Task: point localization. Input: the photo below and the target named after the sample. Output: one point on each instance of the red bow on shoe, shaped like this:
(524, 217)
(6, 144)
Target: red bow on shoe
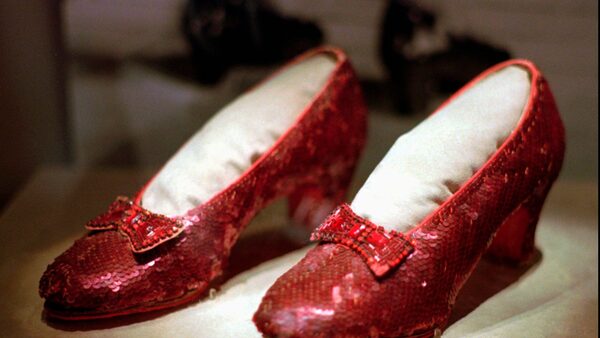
(144, 229)
(382, 250)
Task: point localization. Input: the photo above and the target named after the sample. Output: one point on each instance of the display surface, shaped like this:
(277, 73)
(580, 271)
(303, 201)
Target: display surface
(135, 260)
(556, 296)
(331, 291)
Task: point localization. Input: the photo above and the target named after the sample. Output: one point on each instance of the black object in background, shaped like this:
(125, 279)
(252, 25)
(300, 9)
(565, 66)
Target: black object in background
(423, 60)
(223, 33)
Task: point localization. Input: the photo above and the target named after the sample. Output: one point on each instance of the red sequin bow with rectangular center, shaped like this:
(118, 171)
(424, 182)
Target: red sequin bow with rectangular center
(382, 250)
(144, 229)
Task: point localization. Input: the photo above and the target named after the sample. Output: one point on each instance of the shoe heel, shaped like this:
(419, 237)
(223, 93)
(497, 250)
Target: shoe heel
(514, 242)
(309, 204)
(312, 201)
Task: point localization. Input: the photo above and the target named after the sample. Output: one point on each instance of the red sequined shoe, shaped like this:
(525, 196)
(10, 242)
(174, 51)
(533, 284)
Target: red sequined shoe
(297, 134)
(375, 274)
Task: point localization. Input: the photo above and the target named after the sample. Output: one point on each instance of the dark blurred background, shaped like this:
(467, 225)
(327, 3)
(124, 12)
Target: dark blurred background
(94, 84)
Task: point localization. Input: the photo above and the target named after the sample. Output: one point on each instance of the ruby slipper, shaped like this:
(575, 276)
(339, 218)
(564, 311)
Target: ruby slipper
(298, 134)
(470, 179)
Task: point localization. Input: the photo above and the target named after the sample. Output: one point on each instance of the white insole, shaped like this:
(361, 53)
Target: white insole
(427, 165)
(236, 137)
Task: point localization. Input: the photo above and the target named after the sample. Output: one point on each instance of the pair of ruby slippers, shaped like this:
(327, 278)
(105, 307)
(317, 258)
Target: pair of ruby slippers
(470, 179)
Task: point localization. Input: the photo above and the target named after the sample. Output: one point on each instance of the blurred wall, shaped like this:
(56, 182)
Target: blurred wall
(560, 36)
(107, 104)
(33, 119)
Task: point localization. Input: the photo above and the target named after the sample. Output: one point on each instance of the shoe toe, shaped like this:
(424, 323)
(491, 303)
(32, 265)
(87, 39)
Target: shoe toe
(322, 296)
(53, 282)
(98, 274)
